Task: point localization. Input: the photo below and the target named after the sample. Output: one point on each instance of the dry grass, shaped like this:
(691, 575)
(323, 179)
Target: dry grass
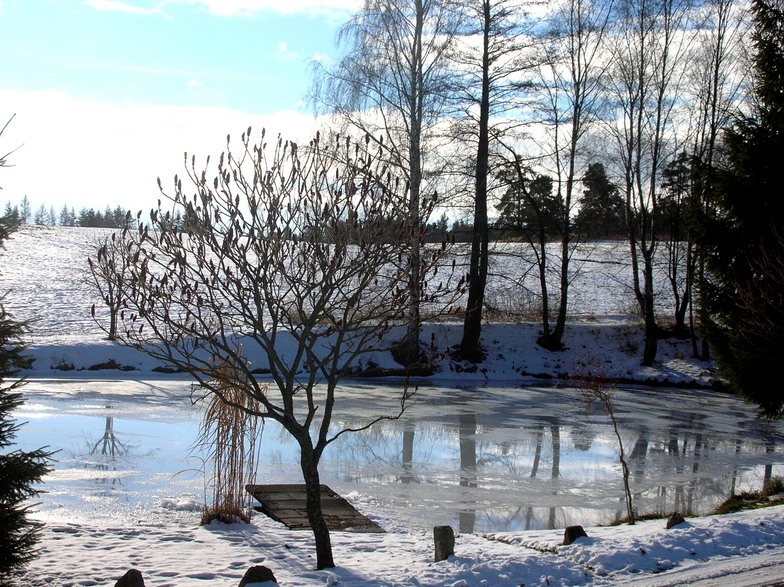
(230, 435)
(772, 494)
(513, 304)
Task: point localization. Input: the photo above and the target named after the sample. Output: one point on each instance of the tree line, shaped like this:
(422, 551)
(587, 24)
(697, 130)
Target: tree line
(19, 214)
(495, 103)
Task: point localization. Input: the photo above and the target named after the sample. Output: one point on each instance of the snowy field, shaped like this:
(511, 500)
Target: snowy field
(123, 496)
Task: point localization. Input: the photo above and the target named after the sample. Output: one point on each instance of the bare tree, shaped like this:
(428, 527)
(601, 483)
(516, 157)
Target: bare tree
(571, 76)
(719, 76)
(533, 197)
(6, 226)
(9, 222)
(648, 64)
(110, 275)
(493, 60)
(4, 158)
(591, 388)
(676, 214)
(391, 84)
(286, 245)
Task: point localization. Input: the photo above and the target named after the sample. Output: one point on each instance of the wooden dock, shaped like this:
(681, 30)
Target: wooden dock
(285, 503)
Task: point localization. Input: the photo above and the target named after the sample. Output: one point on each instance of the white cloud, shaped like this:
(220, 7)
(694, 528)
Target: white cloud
(233, 7)
(282, 47)
(117, 6)
(90, 154)
(236, 7)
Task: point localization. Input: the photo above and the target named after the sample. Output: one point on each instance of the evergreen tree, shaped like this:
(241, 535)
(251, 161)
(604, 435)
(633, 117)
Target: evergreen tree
(41, 216)
(67, 216)
(88, 217)
(19, 470)
(602, 209)
(109, 218)
(674, 220)
(25, 212)
(743, 244)
(529, 206)
(11, 219)
(672, 213)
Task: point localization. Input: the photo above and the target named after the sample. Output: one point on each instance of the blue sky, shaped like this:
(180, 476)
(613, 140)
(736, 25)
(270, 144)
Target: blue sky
(108, 94)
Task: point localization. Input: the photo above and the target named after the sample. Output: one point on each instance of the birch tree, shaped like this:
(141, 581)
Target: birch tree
(391, 83)
(648, 62)
(492, 71)
(571, 75)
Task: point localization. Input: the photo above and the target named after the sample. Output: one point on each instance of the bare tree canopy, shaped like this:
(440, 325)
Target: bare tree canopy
(302, 245)
(392, 83)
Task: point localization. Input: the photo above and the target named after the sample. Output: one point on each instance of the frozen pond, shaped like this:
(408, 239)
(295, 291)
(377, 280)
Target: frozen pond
(484, 459)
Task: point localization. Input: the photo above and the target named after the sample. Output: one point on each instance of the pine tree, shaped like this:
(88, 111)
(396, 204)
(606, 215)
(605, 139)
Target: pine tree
(602, 209)
(10, 219)
(528, 206)
(67, 216)
(19, 470)
(743, 245)
(41, 217)
(25, 211)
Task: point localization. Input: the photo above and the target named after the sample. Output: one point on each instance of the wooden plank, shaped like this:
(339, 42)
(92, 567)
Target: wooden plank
(285, 503)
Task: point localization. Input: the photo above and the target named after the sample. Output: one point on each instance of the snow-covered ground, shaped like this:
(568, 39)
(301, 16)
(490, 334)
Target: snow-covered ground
(85, 545)
(731, 550)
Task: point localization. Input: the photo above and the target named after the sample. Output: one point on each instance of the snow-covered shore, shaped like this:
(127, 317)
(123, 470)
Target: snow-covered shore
(608, 346)
(730, 550)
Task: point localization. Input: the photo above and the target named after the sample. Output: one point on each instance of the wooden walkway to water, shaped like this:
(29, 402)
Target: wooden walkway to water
(285, 503)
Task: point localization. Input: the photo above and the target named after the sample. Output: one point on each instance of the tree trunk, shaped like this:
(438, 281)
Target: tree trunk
(470, 348)
(112, 324)
(318, 525)
(649, 314)
(410, 353)
(556, 338)
(545, 340)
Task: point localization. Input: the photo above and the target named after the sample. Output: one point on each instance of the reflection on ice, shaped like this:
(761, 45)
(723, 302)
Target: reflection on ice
(509, 459)
(487, 459)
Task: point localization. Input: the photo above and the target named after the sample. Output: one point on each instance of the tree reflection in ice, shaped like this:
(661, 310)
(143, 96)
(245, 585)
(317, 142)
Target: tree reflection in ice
(109, 444)
(484, 459)
(508, 459)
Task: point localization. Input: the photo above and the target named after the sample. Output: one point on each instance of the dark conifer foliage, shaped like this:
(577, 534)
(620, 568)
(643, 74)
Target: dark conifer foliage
(109, 218)
(529, 207)
(19, 470)
(602, 209)
(744, 243)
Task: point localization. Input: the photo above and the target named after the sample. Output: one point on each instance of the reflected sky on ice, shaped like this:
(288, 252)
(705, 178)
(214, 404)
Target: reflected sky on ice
(484, 459)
